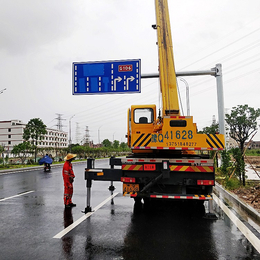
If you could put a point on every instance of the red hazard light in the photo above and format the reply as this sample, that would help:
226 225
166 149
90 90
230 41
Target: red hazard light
128 179
205 182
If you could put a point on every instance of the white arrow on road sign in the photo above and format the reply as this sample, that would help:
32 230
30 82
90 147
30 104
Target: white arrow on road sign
127 82
118 79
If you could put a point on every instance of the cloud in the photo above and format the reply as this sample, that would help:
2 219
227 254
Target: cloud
29 24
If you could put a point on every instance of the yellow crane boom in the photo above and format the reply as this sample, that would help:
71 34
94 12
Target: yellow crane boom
168 81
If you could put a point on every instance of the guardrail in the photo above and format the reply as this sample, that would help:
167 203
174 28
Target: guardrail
244 210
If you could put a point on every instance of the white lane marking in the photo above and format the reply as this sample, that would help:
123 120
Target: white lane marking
240 225
18 195
87 215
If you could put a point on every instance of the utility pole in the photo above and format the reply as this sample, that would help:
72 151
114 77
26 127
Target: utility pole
86 138
59 123
77 133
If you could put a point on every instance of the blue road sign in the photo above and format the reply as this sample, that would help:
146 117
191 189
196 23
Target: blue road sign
123 76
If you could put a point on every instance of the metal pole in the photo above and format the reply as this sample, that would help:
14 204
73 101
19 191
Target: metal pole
187 96
221 112
188 100
114 136
99 135
211 72
70 132
88 208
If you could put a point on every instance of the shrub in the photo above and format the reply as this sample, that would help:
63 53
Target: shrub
232 184
225 156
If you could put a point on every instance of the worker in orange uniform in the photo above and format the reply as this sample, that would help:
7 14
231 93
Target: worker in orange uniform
68 178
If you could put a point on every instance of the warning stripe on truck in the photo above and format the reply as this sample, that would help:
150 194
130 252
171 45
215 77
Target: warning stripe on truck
173 168
130 194
214 142
182 168
132 167
194 197
178 148
143 140
159 160
185 197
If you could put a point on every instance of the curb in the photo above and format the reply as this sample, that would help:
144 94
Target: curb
236 203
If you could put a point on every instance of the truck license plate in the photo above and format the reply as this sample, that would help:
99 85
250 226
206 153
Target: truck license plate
130 187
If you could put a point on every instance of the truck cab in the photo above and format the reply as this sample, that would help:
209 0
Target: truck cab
141 120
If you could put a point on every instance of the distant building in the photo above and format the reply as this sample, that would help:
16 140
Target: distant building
11 133
230 142
92 145
254 145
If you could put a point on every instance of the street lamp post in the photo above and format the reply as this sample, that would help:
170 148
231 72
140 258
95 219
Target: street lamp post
1 91
114 136
187 96
70 132
99 135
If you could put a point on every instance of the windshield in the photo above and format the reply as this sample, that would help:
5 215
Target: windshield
143 115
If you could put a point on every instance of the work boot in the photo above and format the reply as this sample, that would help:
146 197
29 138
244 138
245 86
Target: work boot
72 205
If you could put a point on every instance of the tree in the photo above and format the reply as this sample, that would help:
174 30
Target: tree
34 130
213 129
2 148
106 143
80 150
240 164
123 145
242 123
226 161
22 150
116 144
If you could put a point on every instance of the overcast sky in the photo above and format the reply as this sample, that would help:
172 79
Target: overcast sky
39 40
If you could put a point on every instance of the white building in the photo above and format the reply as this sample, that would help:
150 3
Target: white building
11 133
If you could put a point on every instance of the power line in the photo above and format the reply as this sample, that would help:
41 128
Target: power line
227 35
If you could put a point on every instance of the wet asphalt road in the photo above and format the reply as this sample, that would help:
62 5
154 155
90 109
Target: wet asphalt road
115 231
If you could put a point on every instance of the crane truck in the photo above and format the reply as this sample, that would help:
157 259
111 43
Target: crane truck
170 159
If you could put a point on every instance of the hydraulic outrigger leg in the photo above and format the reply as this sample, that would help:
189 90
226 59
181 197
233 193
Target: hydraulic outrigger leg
109 174
210 214
90 165
88 208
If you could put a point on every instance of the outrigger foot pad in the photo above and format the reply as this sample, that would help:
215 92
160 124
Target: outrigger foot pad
211 216
87 209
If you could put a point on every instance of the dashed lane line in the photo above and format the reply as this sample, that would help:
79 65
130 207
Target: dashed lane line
240 225
87 215
18 195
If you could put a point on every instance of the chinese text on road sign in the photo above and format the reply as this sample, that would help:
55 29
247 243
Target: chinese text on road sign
106 77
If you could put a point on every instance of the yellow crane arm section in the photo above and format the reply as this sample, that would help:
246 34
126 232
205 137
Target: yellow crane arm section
168 81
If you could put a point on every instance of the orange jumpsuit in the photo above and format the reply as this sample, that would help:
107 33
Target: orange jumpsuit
68 177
